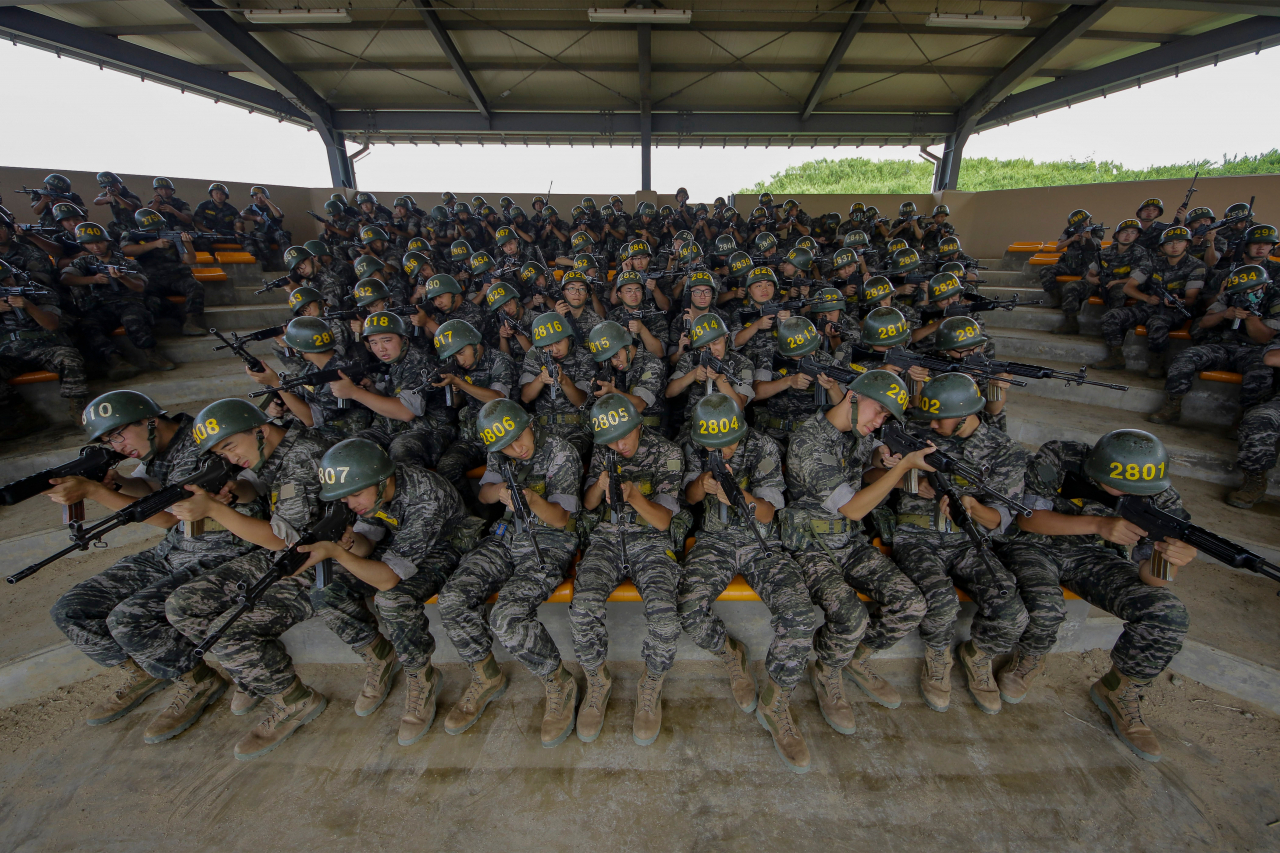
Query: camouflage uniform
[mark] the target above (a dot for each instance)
(1166, 278)
(646, 378)
(1259, 433)
(1155, 620)
(779, 415)
(258, 236)
(24, 257)
(46, 216)
(421, 440)
(26, 345)
(1149, 239)
(167, 275)
(559, 415)
(933, 235)
(171, 222)
(1074, 261)
(103, 307)
(523, 325)
(335, 281)
(209, 215)
(504, 563)
(677, 326)
(726, 547)
(655, 323)
(411, 223)
(251, 650)
(119, 613)
(656, 468)
(741, 374)
(337, 419)
(494, 370)
(122, 218)
(479, 318)
(1224, 348)
(1112, 263)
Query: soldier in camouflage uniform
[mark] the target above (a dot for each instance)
(627, 370)
(549, 473)
(960, 337)
(753, 330)
(215, 218)
(1148, 214)
(1120, 265)
(703, 289)
(1254, 246)
(691, 378)
(123, 202)
(1071, 540)
(906, 226)
(512, 331)
(646, 323)
(331, 275)
(573, 304)
(176, 212)
(30, 338)
(263, 225)
(42, 205)
(24, 257)
(168, 270)
(1079, 249)
(117, 617)
(446, 303)
(938, 230)
(1259, 439)
(558, 400)
(789, 394)
(404, 224)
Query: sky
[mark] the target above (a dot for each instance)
(227, 143)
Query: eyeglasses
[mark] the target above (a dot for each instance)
(114, 438)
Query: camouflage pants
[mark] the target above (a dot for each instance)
(1247, 360)
(510, 570)
(17, 357)
(459, 458)
(654, 572)
(251, 650)
(1259, 434)
(575, 434)
(937, 566)
(97, 325)
(342, 604)
(185, 286)
(258, 242)
(1159, 320)
(1066, 265)
(1155, 620)
(709, 568)
(417, 446)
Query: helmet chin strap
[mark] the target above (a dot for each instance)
(151, 440)
(262, 457)
(379, 499)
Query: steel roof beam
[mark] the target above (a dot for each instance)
(442, 37)
(851, 28)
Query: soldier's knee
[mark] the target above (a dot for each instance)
(394, 601)
(121, 621)
(1170, 616)
(452, 600)
(800, 620)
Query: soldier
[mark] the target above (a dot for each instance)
(849, 268)
(1205, 244)
(117, 617)
(632, 372)
(558, 399)
(333, 277)
(411, 531)
(828, 310)
(1259, 439)
(307, 302)
(753, 329)
(572, 304)
(1078, 250)
(946, 300)
(695, 379)
(56, 188)
(481, 374)
(937, 230)
(906, 226)
(168, 270)
(30, 339)
(1117, 267)
(263, 225)
(825, 463)
(635, 478)
(341, 228)
(960, 337)
(216, 217)
(648, 325)
(404, 224)
(638, 257)
(514, 333)
(1070, 540)
(1148, 213)
(280, 463)
(446, 303)
(702, 288)
(785, 388)
(123, 202)
(725, 547)
(176, 212)
(23, 257)
(1254, 246)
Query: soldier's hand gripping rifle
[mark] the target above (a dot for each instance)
(1160, 524)
(843, 375)
(93, 463)
(737, 499)
(239, 346)
(617, 505)
(520, 507)
(354, 372)
(37, 193)
(1035, 371)
(711, 363)
(211, 476)
(553, 370)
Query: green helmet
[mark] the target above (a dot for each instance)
(302, 297)
(894, 245)
(1151, 202)
(6, 271)
(222, 187)
(517, 212)
(701, 278)
(63, 210)
(857, 207)
(1238, 209)
(295, 255)
(870, 213)
(689, 252)
(459, 250)
(739, 264)
(762, 274)
(500, 294)
(588, 202)
(90, 232)
(1178, 232)
(581, 242)
(613, 417)
(943, 286)
(259, 190)
(717, 422)
(162, 183)
(626, 277)
(309, 334)
(351, 466)
(856, 239)
(372, 234)
(726, 244)
(106, 179)
(884, 387)
(505, 201)
(417, 244)
(585, 262)
(707, 328)
(951, 395)
(807, 242)
(481, 263)
(829, 299)
(549, 328)
(1077, 216)
(579, 277)
(646, 208)
(1246, 278)
(368, 291)
(797, 337)
(907, 208)
(885, 327)
(766, 242)
(948, 246)
(384, 322)
(461, 207)
(447, 197)
(800, 258)
(148, 220)
(1255, 234)
(412, 263)
(549, 211)
(503, 236)
(530, 271)
(501, 422)
(367, 265)
(1129, 461)
(955, 268)
(843, 258)
(943, 209)
(1128, 224)
(765, 198)
(453, 336)
(338, 197)
(958, 333)
(606, 339)
(401, 201)
(440, 284)
(219, 421)
(478, 201)
(874, 289)
(116, 409)
(1199, 213)
(904, 261)
(317, 248)
(334, 208)
(362, 198)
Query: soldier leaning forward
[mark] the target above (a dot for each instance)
(411, 532)
(30, 339)
(309, 302)
(523, 565)
(1078, 249)
(753, 330)
(168, 270)
(1074, 538)
(727, 546)
(117, 617)
(263, 225)
(634, 480)
(790, 395)
(690, 377)
(626, 369)
(558, 399)
(280, 465)
(1114, 268)
(825, 466)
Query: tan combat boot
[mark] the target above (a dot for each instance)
(734, 654)
(1117, 696)
(561, 706)
(594, 703)
(419, 703)
(156, 361)
(1170, 413)
(193, 325)
(488, 682)
(242, 701)
(193, 692)
(1014, 680)
(647, 723)
(1070, 324)
(869, 681)
(828, 683)
(977, 672)
(1114, 360)
(118, 368)
(1156, 364)
(138, 685)
(935, 679)
(774, 713)
(291, 709)
(1253, 490)
(380, 667)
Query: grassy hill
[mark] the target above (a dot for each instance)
(860, 175)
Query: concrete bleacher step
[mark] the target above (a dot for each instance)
(1005, 278)
(1041, 319)
(245, 275)
(231, 293)
(247, 316)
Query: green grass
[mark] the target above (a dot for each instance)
(860, 175)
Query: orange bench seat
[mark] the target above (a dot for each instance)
(33, 377)
(1182, 334)
(1044, 260)
(1222, 376)
(227, 247)
(204, 258)
(209, 274)
(235, 257)
(1067, 278)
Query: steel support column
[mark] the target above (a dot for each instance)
(341, 169)
(946, 172)
(644, 43)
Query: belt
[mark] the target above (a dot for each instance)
(652, 421)
(560, 419)
(32, 335)
(631, 517)
(925, 522)
(830, 526)
(774, 422)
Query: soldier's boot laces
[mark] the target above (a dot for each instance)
(648, 719)
(1014, 680)
(561, 706)
(828, 683)
(380, 667)
(1114, 360)
(594, 703)
(869, 681)
(1170, 412)
(193, 692)
(291, 709)
(242, 701)
(156, 361)
(488, 682)
(1255, 486)
(774, 713)
(1070, 324)
(1156, 362)
(935, 679)
(419, 703)
(734, 654)
(981, 681)
(1117, 697)
(138, 685)
(118, 368)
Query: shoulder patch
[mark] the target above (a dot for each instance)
(858, 367)
(765, 466)
(288, 490)
(674, 464)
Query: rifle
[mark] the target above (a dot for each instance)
(553, 370)
(715, 365)
(172, 236)
(733, 491)
(252, 337)
(320, 218)
(905, 359)
(902, 442)
(1035, 371)
(1226, 221)
(1191, 190)
(1242, 300)
(93, 463)
(616, 504)
(41, 230)
(771, 309)
(520, 507)
(210, 476)
(355, 372)
(973, 303)
(238, 345)
(1175, 303)
(26, 291)
(275, 284)
(431, 375)
(35, 196)
(330, 528)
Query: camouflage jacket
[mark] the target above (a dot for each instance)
(122, 215)
(578, 365)
(16, 320)
(555, 473)
(88, 297)
(656, 323)
(1267, 307)
(741, 373)
(757, 466)
(494, 370)
(161, 264)
(420, 518)
(209, 215)
(172, 222)
(793, 404)
(1112, 263)
(823, 473)
(326, 409)
(403, 380)
(1175, 279)
(24, 257)
(657, 468)
(646, 378)
(287, 479)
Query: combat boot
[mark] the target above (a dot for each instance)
(118, 368)
(291, 709)
(1014, 679)
(488, 682)
(734, 654)
(1170, 413)
(193, 692)
(869, 681)
(935, 679)
(75, 408)
(1156, 362)
(774, 713)
(242, 701)
(194, 325)
(828, 683)
(380, 667)
(1117, 696)
(591, 714)
(648, 719)
(156, 361)
(1114, 360)
(561, 707)
(1070, 324)
(977, 672)
(419, 703)
(1253, 490)
(138, 685)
